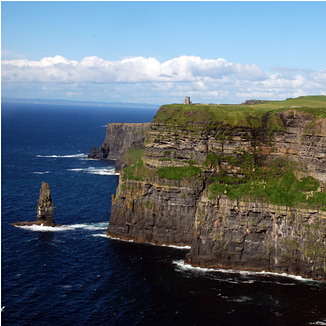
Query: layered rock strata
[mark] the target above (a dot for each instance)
(245, 234)
(118, 138)
(259, 236)
(156, 213)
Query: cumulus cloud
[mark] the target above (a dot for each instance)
(137, 69)
(212, 80)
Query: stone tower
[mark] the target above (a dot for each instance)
(187, 100)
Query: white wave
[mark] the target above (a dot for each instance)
(42, 228)
(81, 155)
(102, 235)
(45, 172)
(186, 267)
(98, 171)
(177, 247)
(151, 243)
(319, 322)
(104, 126)
(91, 226)
(114, 238)
(71, 227)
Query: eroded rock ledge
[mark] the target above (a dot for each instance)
(196, 156)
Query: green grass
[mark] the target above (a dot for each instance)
(239, 115)
(285, 190)
(138, 172)
(134, 172)
(178, 173)
(133, 156)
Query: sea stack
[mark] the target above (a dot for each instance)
(44, 210)
(45, 207)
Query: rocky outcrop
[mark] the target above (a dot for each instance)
(45, 207)
(118, 138)
(44, 210)
(155, 204)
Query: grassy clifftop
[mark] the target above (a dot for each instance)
(236, 164)
(240, 115)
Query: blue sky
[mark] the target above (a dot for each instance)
(160, 52)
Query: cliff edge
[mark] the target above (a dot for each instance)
(119, 138)
(243, 185)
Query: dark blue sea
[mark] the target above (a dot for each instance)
(75, 275)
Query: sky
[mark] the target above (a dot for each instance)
(160, 52)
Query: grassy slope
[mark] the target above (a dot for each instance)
(238, 114)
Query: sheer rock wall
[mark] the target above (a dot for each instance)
(221, 232)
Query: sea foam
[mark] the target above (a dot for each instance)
(98, 171)
(186, 267)
(62, 228)
(80, 155)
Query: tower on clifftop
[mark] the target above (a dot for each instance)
(187, 100)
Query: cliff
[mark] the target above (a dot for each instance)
(119, 138)
(242, 184)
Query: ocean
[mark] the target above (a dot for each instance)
(75, 275)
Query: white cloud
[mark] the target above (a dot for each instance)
(212, 80)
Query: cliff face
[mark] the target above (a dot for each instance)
(157, 213)
(118, 138)
(243, 187)
(259, 236)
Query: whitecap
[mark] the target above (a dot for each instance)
(186, 267)
(69, 227)
(45, 172)
(81, 155)
(102, 235)
(91, 226)
(42, 228)
(98, 171)
(67, 286)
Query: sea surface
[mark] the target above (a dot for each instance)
(75, 275)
